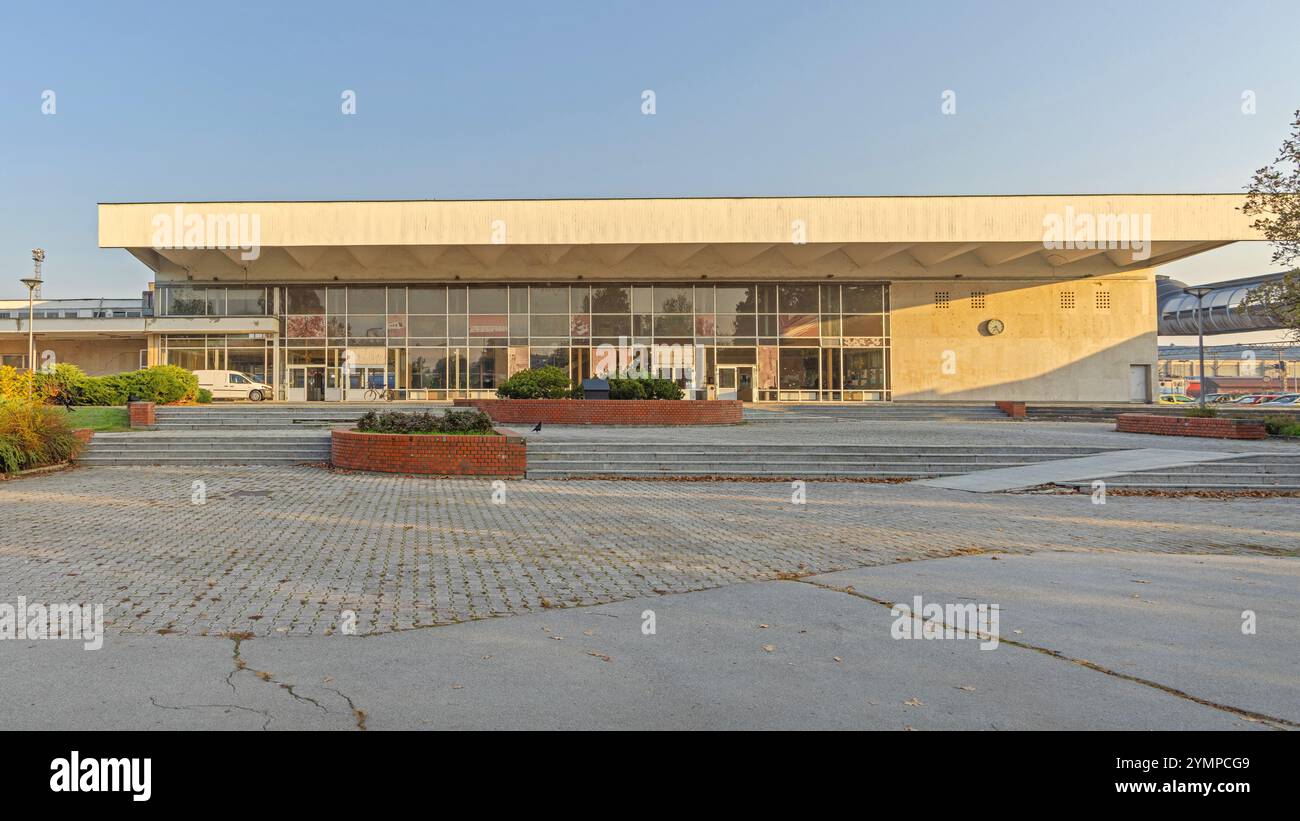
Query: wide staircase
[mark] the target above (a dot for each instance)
(566, 460)
(318, 415)
(194, 447)
(882, 412)
(1273, 472)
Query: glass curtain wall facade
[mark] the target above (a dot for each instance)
(755, 341)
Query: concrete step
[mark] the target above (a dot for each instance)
(802, 473)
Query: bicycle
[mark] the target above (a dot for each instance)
(386, 394)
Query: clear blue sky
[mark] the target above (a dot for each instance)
(234, 100)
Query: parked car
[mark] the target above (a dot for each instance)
(1174, 399)
(1220, 398)
(1284, 399)
(234, 385)
(1251, 399)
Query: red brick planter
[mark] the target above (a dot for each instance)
(1208, 427)
(646, 412)
(1016, 410)
(142, 414)
(429, 454)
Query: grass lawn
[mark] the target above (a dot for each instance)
(99, 419)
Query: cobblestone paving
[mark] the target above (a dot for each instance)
(284, 550)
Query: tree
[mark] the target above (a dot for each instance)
(1273, 199)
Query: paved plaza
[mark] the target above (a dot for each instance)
(226, 591)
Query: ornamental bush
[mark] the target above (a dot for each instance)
(549, 382)
(14, 384)
(451, 422)
(33, 435)
(645, 388)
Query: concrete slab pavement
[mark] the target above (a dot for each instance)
(1098, 466)
(767, 655)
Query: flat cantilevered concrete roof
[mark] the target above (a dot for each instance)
(911, 232)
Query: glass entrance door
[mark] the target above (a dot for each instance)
(727, 382)
(307, 383)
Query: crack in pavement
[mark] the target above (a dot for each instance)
(1272, 722)
(266, 714)
(358, 714)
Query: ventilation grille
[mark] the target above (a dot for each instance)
(941, 299)
(977, 299)
(1103, 300)
(1067, 299)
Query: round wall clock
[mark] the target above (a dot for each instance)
(995, 326)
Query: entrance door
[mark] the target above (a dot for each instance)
(745, 383)
(1139, 383)
(315, 379)
(726, 382)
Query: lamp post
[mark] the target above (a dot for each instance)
(1199, 291)
(33, 282)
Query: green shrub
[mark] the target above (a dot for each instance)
(1202, 413)
(205, 396)
(1281, 425)
(549, 382)
(14, 384)
(468, 421)
(644, 388)
(62, 384)
(32, 435)
(627, 389)
(163, 384)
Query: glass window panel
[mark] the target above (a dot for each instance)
(803, 326)
(551, 355)
(798, 368)
(550, 325)
(798, 299)
(864, 369)
(427, 325)
(703, 299)
(246, 301)
(396, 327)
(518, 324)
(457, 326)
(457, 300)
(397, 300)
(672, 300)
(486, 367)
(366, 301)
(518, 299)
(580, 299)
(830, 299)
(488, 299)
(304, 326)
(643, 325)
(216, 302)
(864, 325)
(767, 325)
(369, 326)
(427, 300)
(580, 326)
(767, 299)
(674, 325)
(830, 325)
(337, 301)
(428, 368)
(705, 324)
(643, 299)
(189, 359)
(305, 300)
(611, 299)
(736, 325)
(863, 299)
(611, 325)
(549, 300)
(735, 299)
(186, 301)
(484, 325)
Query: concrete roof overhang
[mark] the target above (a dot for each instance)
(1065, 236)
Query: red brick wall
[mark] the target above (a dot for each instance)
(1212, 428)
(1015, 410)
(653, 412)
(432, 454)
(142, 414)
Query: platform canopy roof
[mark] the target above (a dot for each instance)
(1034, 235)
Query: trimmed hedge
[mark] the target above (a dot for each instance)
(647, 388)
(549, 382)
(451, 422)
(33, 435)
(68, 384)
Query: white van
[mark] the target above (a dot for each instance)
(234, 385)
